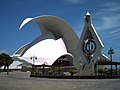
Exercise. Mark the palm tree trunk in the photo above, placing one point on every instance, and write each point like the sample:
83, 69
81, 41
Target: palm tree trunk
7, 69
4, 68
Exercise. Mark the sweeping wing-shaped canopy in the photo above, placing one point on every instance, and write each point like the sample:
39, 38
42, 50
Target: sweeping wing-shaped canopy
57, 39
58, 27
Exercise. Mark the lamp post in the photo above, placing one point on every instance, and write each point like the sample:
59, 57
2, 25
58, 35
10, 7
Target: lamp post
33, 58
110, 52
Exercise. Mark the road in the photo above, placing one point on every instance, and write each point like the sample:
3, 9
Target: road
22, 81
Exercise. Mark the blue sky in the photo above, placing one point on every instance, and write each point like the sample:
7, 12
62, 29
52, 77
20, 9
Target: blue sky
105, 18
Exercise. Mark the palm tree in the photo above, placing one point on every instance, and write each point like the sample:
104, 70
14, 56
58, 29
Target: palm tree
5, 60
1, 63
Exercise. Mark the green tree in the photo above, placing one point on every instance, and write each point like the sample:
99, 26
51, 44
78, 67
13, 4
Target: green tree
5, 60
72, 72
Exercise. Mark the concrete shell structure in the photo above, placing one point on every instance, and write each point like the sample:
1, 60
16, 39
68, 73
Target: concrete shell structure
58, 39
53, 43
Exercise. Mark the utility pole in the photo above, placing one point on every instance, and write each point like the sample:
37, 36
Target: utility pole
110, 52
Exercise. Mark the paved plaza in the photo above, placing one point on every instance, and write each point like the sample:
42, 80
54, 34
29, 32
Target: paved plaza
22, 81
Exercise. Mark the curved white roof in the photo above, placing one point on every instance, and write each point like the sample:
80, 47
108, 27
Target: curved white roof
48, 50
57, 39
59, 28
20, 51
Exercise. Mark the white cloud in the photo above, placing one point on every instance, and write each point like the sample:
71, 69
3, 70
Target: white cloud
114, 31
4, 51
73, 1
111, 21
109, 17
112, 6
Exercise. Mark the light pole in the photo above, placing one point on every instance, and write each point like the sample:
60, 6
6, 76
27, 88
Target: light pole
110, 52
33, 58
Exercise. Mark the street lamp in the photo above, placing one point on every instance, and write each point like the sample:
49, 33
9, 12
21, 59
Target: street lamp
110, 52
33, 58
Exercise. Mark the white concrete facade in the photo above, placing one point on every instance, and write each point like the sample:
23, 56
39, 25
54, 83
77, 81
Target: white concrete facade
59, 39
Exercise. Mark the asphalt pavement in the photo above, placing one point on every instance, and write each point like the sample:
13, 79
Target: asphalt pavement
21, 81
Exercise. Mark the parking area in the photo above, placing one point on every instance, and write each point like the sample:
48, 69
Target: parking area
22, 81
